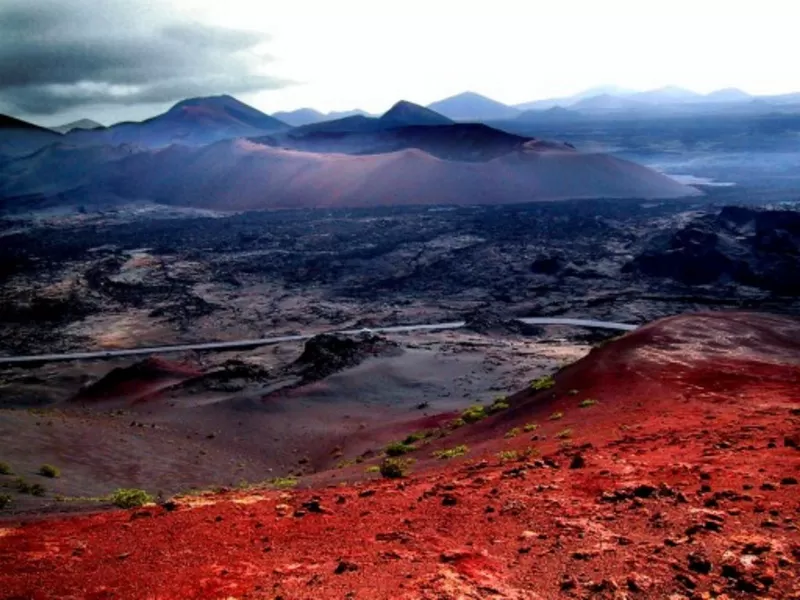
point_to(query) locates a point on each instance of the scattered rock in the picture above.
(345, 566)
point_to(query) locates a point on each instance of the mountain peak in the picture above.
(472, 106)
(408, 113)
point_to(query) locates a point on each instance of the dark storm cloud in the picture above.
(56, 55)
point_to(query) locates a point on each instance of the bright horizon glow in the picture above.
(369, 54)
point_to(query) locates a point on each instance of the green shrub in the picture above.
(506, 455)
(49, 471)
(394, 468)
(512, 433)
(5, 501)
(345, 463)
(474, 414)
(459, 450)
(587, 403)
(530, 427)
(129, 498)
(373, 469)
(417, 436)
(545, 382)
(5, 468)
(556, 416)
(456, 423)
(283, 483)
(398, 449)
(564, 434)
(498, 405)
(34, 489)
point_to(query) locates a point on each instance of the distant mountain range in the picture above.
(469, 106)
(195, 122)
(217, 152)
(308, 116)
(80, 124)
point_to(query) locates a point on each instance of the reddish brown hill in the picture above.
(679, 482)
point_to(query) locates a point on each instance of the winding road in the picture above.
(243, 344)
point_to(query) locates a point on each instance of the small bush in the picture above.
(497, 406)
(129, 498)
(564, 434)
(49, 471)
(5, 468)
(512, 433)
(283, 483)
(456, 423)
(417, 436)
(530, 452)
(459, 450)
(5, 501)
(507, 455)
(474, 414)
(543, 383)
(398, 449)
(587, 403)
(572, 393)
(34, 489)
(373, 469)
(345, 463)
(556, 416)
(394, 468)
(530, 427)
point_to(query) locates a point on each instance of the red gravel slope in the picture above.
(680, 482)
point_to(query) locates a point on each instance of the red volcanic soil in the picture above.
(135, 383)
(679, 482)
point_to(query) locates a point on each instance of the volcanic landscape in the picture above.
(494, 459)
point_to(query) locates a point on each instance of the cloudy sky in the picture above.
(113, 60)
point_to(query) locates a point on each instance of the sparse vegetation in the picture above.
(456, 423)
(512, 433)
(129, 498)
(545, 382)
(530, 452)
(283, 483)
(556, 416)
(394, 468)
(5, 468)
(587, 403)
(507, 455)
(49, 471)
(530, 427)
(572, 393)
(564, 434)
(498, 405)
(373, 469)
(345, 463)
(5, 501)
(34, 489)
(417, 436)
(474, 414)
(459, 450)
(399, 448)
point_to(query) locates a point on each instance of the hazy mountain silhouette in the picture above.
(301, 116)
(80, 124)
(469, 106)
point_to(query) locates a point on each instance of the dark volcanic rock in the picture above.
(746, 246)
(488, 321)
(328, 353)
